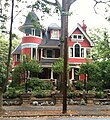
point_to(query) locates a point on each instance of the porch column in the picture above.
(41, 52)
(72, 74)
(51, 74)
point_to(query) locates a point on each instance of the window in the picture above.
(33, 31)
(71, 52)
(82, 52)
(49, 53)
(33, 53)
(77, 37)
(55, 34)
(18, 57)
(77, 50)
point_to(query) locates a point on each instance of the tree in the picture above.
(105, 73)
(58, 68)
(3, 62)
(101, 47)
(90, 71)
(21, 71)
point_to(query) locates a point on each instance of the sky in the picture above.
(81, 10)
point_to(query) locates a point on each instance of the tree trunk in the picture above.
(1, 98)
(2, 111)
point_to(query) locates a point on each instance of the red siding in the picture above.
(26, 51)
(82, 77)
(31, 39)
(85, 43)
(79, 60)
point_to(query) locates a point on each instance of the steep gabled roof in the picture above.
(17, 50)
(84, 33)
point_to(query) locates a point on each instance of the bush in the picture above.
(79, 85)
(99, 94)
(37, 84)
(92, 84)
(11, 93)
(42, 93)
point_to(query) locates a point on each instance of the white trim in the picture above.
(72, 73)
(32, 53)
(16, 58)
(51, 74)
(29, 45)
(74, 50)
(77, 39)
(84, 33)
(52, 34)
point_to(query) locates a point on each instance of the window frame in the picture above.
(32, 57)
(53, 36)
(75, 37)
(18, 60)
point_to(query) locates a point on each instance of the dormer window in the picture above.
(76, 37)
(55, 34)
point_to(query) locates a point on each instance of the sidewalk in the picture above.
(73, 110)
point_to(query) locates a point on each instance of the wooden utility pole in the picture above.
(64, 20)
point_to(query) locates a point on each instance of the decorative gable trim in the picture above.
(84, 33)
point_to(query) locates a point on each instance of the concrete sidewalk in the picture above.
(73, 110)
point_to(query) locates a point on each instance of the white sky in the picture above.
(82, 10)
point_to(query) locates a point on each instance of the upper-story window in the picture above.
(33, 31)
(82, 52)
(77, 50)
(76, 37)
(55, 34)
(17, 57)
(71, 52)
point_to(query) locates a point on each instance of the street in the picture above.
(59, 118)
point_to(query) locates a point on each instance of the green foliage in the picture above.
(91, 70)
(42, 93)
(101, 49)
(24, 67)
(93, 85)
(3, 57)
(10, 93)
(79, 85)
(37, 84)
(100, 94)
(58, 66)
(105, 73)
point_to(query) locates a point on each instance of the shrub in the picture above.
(79, 85)
(37, 84)
(42, 93)
(10, 93)
(99, 94)
(92, 84)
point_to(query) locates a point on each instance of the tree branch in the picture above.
(70, 2)
(100, 2)
(56, 3)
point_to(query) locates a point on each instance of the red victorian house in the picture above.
(44, 46)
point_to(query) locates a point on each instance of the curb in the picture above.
(50, 115)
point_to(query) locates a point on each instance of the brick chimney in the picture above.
(84, 27)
